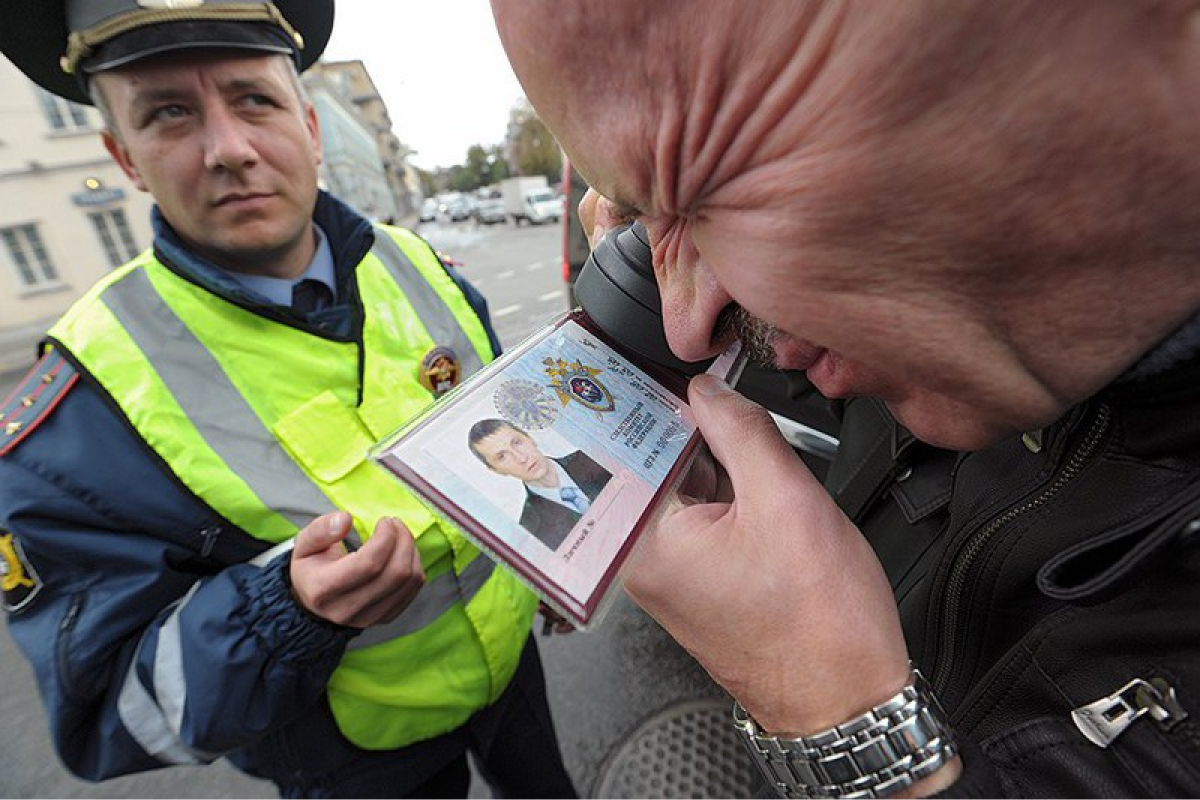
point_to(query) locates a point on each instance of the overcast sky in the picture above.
(438, 65)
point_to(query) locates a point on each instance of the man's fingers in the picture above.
(322, 533)
(743, 438)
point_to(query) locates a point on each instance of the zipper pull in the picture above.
(1103, 720)
(209, 535)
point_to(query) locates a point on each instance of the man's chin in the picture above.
(949, 426)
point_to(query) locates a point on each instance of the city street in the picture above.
(636, 716)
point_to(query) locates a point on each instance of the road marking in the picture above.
(507, 274)
(504, 312)
(535, 266)
(548, 296)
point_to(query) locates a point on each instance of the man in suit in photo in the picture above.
(557, 490)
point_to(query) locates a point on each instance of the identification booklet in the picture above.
(553, 458)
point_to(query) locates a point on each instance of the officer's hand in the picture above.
(553, 622)
(766, 582)
(368, 586)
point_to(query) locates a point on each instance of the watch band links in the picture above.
(876, 754)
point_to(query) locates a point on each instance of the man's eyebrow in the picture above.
(156, 94)
(246, 84)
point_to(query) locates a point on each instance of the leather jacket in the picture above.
(1049, 586)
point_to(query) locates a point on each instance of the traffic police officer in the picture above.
(175, 473)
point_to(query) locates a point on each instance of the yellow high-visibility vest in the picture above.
(270, 425)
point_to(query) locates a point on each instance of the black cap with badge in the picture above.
(58, 43)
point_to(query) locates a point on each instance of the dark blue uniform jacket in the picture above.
(110, 542)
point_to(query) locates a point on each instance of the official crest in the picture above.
(440, 370)
(574, 380)
(17, 577)
(525, 404)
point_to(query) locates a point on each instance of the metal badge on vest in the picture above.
(440, 370)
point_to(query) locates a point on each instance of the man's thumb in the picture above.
(322, 533)
(742, 436)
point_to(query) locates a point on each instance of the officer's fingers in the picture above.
(398, 564)
(396, 583)
(382, 561)
(321, 534)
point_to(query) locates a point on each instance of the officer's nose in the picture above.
(228, 142)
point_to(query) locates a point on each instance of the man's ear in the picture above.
(314, 128)
(121, 155)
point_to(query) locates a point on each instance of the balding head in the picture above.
(954, 199)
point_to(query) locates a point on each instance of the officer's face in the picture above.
(227, 148)
(510, 452)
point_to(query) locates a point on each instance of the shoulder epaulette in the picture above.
(39, 392)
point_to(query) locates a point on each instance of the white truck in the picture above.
(530, 199)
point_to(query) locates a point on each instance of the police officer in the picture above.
(201, 558)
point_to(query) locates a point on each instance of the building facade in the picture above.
(68, 214)
(348, 84)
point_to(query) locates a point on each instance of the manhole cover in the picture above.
(687, 750)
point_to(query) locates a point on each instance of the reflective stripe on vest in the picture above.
(212, 403)
(442, 327)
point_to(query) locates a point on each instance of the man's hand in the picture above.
(766, 582)
(369, 586)
(598, 215)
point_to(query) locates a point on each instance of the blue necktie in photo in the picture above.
(575, 498)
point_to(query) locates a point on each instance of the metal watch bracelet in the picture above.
(876, 754)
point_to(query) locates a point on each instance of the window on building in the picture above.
(27, 252)
(63, 115)
(113, 229)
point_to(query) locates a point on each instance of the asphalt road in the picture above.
(605, 684)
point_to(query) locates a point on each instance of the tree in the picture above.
(487, 166)
(535, 150)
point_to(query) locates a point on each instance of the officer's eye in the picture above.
(168, 112)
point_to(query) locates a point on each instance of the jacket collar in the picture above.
(348, 233)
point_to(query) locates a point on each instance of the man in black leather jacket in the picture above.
(975, 224)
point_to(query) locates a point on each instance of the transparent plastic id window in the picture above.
(554, 458)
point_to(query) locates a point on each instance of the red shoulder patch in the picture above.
(39, 392)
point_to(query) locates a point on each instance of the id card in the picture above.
(553, 458)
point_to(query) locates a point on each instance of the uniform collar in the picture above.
(347, 235)
(279, 290)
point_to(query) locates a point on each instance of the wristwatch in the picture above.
(876, 754)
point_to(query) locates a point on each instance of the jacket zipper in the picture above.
(66, 627)
(964, 561)
(1103, 720)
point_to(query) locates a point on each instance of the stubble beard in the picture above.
(757, 336)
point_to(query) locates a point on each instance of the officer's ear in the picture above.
(120, 154)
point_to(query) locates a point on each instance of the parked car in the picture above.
(429, 210)
(490, 210)
(457, 207)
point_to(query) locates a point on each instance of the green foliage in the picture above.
(534, 148)
(536, 151)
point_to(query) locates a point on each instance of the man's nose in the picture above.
(228, 144)
(692, 301)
